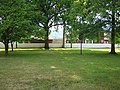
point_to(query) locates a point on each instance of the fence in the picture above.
(58, 45)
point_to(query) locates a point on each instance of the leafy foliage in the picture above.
(109, 11)
(15, 22)
(48, 14)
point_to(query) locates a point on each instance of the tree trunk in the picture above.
(6, 47)
(98, 39)
(81, 47)
(47, 38)
(63, 46)
(16, 45)
(113, 34)
(71, 44)
(81, 39)
(12, 45)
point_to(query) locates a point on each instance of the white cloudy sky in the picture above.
(56, 34)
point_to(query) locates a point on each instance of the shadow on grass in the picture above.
(26, 52)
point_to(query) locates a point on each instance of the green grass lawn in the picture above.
(60, 69)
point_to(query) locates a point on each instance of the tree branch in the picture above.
(56, 25)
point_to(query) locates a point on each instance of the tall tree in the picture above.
(48, 15)
(65, 16)
(77, 18)
(14, 23)
(109, 12)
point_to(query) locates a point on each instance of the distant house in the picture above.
(106, 37)
(103, 37)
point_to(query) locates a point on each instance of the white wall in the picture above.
(67, 45)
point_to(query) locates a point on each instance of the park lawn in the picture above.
(60, 69)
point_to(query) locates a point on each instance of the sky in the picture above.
(56, 34)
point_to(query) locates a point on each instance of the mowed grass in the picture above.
(60, 69)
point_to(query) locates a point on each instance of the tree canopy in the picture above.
(15, 22)
(108, 11)
(48, 14)
(80, 18)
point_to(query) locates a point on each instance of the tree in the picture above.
(71, 34)
(48, 15)
(77, 19)
(109, 12)
(65, 16)
(14, 22)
